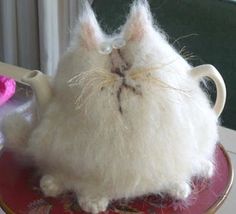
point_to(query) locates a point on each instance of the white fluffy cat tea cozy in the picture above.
(127, 117)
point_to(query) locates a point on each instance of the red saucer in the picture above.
(20, 194)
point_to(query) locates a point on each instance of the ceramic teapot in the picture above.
(41, 83)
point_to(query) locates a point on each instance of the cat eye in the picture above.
(118, 43)
(106, 47)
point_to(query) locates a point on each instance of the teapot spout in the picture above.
(38, 81)
(40, 84)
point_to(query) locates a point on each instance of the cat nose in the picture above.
(119, 65)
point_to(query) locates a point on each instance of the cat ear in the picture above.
(139, 22)
(88, 29)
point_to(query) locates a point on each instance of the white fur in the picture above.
(16, 130)
(164, 136)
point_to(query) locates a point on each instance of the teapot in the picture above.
(42, 88)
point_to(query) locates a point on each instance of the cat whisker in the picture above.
(137, 72)
(184, 37)
(94, 90)
(182, 50)
(73, 79)
(191, 57)
(84, 78)
(87, 73)
(71, 85)
(165, 85)
(186, 54)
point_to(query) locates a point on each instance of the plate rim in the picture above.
(212, 209)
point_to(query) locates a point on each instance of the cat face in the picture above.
(124, 61)
(137, 42)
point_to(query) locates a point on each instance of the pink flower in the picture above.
(7, 89)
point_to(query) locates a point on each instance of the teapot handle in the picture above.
(211, 72)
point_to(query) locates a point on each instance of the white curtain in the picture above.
(34, 33)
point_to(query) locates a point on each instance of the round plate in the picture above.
(19, 192)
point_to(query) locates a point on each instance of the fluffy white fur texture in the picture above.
(109, 135)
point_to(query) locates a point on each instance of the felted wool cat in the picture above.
(126, 118)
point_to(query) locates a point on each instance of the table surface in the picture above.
(227, 138)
